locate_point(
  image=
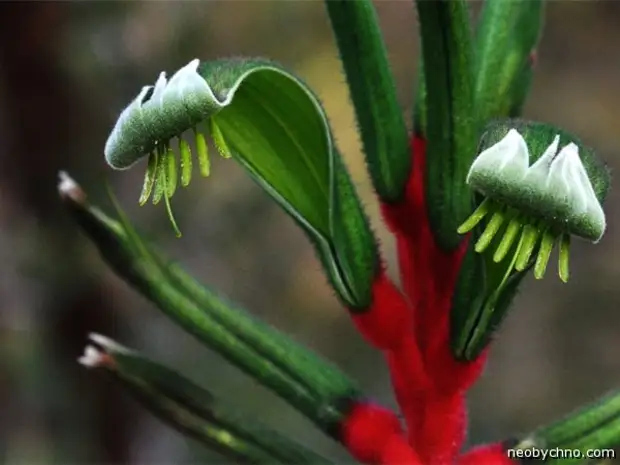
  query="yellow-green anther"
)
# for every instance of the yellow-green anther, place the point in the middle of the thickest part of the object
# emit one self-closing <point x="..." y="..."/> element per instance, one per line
<point x="202" y="152"/>
<point x="476" y="217"/>
<point x="544" y="253"/>
<point x="512" y="230"/>
<point x="564" y="255"/>
<point x="160" y="181"/>
<point x="531" y="233"/>
<point x="186" y="162"/>
<point x="218" y="139"/>
<point x="149" y="178"/>
<point x="490" y="231"/>
<point x="171" y="172"/>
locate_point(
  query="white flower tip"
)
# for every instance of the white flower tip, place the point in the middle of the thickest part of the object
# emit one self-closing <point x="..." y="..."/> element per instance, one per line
<point x="513" y="134"/>
<point x="160" y="85"/>
<point x="69" y="189"/>
<point x="106" y="343"/>
<point x="514" y="141"/>
<point x="552" y="150"/>
<point x="511" y="151"/>
<point x="92" y="357"/>
<point x="572" y="150"/>
<point x="188" y="69"/>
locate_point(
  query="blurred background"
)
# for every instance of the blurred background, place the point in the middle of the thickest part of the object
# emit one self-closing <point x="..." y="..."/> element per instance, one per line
<point x="66" y="71"/>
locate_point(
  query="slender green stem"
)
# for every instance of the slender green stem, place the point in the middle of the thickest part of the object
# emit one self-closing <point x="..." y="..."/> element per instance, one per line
<point x="373" y="92"/>
<point x="452" y="130"/>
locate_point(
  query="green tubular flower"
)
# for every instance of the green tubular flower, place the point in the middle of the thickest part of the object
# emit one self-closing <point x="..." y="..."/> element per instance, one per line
<point x="541" y="186"/>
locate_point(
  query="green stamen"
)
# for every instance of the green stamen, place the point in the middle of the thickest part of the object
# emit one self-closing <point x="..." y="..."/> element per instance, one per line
<point x="512" y="230"/>
<point x="531" y="233"/>
<point x="564" y="255"/>
<point x="202" y="152"/>
<point x="171" y="172"/>
<point x="160" y="181"/>
<point x="149" y="179"/>
<point x="546" y="246"/>
<point x="186" y="162"/>
<point x="475" y="218"/>
<point x="490" y="231"/>
<point x="218" y="139"/>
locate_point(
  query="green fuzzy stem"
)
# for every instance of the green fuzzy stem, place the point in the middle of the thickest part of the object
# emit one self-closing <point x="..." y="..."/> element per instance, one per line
<point x="419" y="107"/>
<point x="595" y="426"/>
<point x="451" y="127"/>
<point x="507" y="35"/>
<point x="373" y="92"/>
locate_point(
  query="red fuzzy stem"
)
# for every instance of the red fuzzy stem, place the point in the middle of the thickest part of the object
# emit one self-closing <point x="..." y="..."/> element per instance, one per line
<point x="434" y="406"/>
<point x="410" y="382"/>
<point x="492" y="454"/>
<point x="443" y="430"/>
<point x="415" y="335"/>
<point x="388" y="325"/>
<point x="388" y="318"/>
<point x="398" y="452"/>
<point x="373" y="435"/>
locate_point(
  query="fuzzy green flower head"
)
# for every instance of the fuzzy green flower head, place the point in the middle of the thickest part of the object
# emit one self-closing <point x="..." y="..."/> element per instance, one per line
<point x="159" y="114"/>
<point x="541" y="184"/>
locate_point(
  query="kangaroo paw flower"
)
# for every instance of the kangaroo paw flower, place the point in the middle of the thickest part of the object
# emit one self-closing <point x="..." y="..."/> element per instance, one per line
<point x="535" y="199"/>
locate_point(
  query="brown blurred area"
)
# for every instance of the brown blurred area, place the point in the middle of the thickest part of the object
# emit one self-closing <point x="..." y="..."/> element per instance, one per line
<point x="66" y="71"/>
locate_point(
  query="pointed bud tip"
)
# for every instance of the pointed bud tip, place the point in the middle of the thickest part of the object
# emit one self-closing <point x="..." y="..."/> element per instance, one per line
<point x="93" y="357"/>
<point x="107" y="344"/>
<point x="69" y="189"/>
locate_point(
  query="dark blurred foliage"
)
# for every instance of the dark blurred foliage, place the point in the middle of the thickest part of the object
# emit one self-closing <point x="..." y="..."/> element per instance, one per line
<point x="67" y="69"/>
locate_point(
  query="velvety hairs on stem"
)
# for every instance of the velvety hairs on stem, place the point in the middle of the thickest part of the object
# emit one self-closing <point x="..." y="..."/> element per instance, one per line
<point x="476" y="196"/>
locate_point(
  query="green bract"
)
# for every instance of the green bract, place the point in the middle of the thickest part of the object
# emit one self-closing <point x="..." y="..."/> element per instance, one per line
<point x="540" y="184"/>
<point x="272" y="124"/>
